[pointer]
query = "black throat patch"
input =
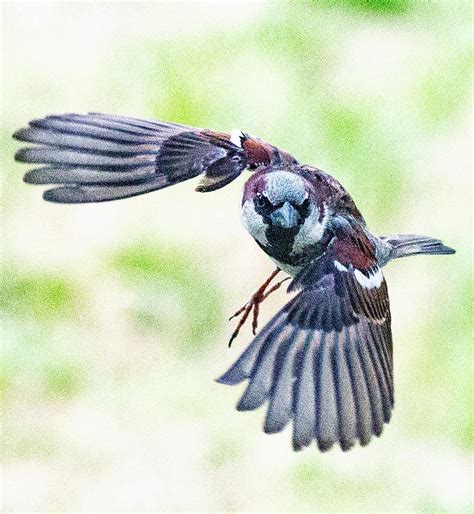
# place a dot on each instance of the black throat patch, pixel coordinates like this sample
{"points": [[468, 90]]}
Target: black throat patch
{"points": [[281, 242]]}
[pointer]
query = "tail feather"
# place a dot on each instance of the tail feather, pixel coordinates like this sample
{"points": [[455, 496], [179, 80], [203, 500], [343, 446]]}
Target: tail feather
{"points": [[403, 245]]}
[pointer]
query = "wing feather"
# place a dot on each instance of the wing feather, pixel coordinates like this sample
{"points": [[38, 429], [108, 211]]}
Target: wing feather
{"points": [[102, 193], [260, 381], [372, 382], [359, 388], [243, 366], [59, 175], [81, 151], [345, 397], [327, 416], [281, 397]]}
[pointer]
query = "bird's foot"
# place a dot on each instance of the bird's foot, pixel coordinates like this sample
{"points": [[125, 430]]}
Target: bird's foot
{"points": [[254, 305]]}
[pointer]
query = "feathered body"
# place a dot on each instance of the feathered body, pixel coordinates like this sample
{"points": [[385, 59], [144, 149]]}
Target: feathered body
{"points": [[325, 359]]}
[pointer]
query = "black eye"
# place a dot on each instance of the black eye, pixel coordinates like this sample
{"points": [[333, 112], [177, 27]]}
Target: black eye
{"points": [[262, 201], [304, 208]]}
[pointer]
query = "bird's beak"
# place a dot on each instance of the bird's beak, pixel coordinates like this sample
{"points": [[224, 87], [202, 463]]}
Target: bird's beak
{"points": [[286, 216]]}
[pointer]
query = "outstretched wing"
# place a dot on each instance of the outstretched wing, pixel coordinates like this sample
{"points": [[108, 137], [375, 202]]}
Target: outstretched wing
{"points": [[325, 360], [98, 157]]}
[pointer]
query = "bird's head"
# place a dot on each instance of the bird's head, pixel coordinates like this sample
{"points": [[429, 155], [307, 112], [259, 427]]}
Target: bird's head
{"points": [[281, 204]]}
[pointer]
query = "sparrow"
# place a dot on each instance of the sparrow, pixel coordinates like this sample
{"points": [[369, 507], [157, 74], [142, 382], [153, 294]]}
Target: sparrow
{"points": [[325, 360]]}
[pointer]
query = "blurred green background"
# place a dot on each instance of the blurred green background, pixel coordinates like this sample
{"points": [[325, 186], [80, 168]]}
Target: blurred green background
{"points": [[114, 315]]}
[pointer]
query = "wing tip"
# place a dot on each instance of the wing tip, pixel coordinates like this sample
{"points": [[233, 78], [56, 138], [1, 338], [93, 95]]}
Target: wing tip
{"points": [[64, 195], [324, 445], [21, 155], [50, 195], [297, 447], [346, 444], [19, 134], [301, 441], [447, 250], [224, 380], [33, 177], [230, 377], [245, 405], [272, 426]]}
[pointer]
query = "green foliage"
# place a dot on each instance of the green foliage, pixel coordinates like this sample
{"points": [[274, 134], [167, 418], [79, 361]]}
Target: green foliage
{"points": [[223, 451], [33, 306], [39, 296], [316, 484], [388, 7], [173, 297], [442, 367], [446, 89], [356, 145], [62, 380]]}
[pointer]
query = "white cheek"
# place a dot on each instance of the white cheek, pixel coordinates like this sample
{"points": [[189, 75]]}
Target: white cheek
{"points": [[253, 222], [311, 232]]}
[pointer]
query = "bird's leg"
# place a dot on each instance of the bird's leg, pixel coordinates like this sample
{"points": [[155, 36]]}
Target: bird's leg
{"points": [[254, 304], [256, 307]]}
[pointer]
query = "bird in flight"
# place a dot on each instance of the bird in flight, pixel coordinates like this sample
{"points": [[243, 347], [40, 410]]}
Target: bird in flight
{"points": [[325, 359]]}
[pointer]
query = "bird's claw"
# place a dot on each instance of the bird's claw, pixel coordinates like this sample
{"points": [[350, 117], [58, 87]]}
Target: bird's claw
{"points": [[254, 305]]}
